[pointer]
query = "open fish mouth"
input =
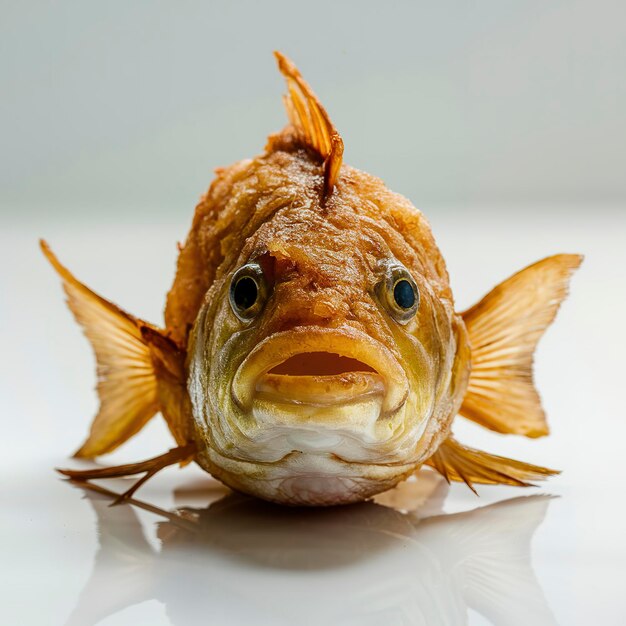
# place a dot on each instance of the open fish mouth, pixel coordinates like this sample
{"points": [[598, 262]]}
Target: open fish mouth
{"points": [[333, 379], [313, 385]]}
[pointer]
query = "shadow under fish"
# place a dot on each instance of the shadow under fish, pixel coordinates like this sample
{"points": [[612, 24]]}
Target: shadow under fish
{"points": [[242, 559]]}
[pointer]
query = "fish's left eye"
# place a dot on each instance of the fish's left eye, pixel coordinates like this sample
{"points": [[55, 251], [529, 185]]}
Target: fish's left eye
{"points": [[399, 293], [248, 291], [404, 294]]}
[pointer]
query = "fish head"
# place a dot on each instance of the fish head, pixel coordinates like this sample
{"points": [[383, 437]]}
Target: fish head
{"points": [[325, 363]]}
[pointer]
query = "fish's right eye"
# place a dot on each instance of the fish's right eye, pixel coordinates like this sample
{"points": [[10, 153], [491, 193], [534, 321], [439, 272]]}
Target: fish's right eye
{"points": [[248, 291]]}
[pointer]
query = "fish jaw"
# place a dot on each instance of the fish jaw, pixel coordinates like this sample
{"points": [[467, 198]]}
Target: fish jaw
{"points": [[306, 437], [322, 391], [373, 369]]}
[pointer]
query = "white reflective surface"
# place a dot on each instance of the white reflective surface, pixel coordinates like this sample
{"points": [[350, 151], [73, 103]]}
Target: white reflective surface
{"points": [[424, 554]]}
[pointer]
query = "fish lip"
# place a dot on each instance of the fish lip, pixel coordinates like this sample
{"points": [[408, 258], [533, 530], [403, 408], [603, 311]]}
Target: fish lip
{"points": [[319, 390], [343, 341]]}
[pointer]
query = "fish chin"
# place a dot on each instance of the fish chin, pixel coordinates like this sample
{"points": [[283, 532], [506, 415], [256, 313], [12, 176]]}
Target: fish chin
{"points": [[307, 479], [304, 479]]}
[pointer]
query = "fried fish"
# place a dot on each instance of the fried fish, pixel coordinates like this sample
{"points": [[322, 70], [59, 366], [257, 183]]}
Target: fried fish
{"points": [[311, 352]]}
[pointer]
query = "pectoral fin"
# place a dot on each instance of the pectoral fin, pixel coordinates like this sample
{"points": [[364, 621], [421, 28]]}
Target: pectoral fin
{"points": [[456, 462], [132, 357], [504, 328]]}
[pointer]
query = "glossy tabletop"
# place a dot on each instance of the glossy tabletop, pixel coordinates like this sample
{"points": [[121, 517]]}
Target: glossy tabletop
{"points": [[188, 551]]}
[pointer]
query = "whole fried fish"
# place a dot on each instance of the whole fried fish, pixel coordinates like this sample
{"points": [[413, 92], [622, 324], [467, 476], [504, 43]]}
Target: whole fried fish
{"points": [[311, 353]]}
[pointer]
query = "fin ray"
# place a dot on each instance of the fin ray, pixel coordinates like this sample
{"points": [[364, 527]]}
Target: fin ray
{"points": [[504, 329], [311, 122], [127, 384], [457, 462]]}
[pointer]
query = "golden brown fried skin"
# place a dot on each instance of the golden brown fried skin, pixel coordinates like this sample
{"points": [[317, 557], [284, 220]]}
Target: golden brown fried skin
{"points": [[249, 193], [323, 255], [326, 243]]}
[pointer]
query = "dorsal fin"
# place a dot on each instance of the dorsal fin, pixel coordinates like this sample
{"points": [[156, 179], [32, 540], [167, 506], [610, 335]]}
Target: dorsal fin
{"points": [[311, 122]]}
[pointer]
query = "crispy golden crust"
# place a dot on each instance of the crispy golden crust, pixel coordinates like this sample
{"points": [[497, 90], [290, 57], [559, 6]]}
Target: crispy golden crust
{"points": [[325, 240], [284, 191]]}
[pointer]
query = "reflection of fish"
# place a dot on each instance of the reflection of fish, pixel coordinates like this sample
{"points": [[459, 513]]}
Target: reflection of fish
{"points": [[370, 564], [312, 353]]}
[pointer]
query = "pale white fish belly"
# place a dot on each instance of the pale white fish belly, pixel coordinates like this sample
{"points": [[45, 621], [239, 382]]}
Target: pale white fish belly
{"points": [[308, 479]]}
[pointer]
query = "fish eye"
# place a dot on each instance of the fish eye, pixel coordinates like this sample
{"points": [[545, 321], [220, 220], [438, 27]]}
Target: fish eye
{"points": [[403, 294], [399, 293], [248, 291]]}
